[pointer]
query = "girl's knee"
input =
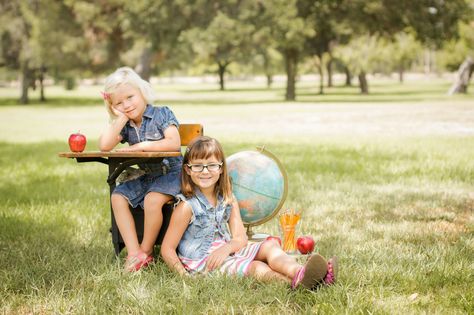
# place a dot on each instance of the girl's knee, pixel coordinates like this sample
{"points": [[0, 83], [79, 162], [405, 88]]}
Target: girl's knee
{"points": [[258, 267], [269, 246], [117, 199], [271, 243], [157, 198]]}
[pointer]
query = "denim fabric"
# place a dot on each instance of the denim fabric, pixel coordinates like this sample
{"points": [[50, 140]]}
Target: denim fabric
{"points": [[135, 190], [205, 223], [163, 177], [154, 123]]}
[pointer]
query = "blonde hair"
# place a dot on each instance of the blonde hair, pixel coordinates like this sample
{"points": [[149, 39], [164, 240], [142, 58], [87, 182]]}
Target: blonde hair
{"points": [[121, 76], [203, 148]]}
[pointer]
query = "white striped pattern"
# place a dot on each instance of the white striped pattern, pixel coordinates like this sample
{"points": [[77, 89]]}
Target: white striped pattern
{"points": [[236, 264]]}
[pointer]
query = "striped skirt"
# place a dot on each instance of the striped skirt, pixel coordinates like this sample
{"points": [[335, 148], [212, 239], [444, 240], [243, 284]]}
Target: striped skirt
{"points": [[237, 264]]}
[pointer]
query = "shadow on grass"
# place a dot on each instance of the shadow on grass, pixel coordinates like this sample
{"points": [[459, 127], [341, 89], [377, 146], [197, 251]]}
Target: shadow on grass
{"points": [[304, 95], [40, 255], [51, 238], [54, 102]]}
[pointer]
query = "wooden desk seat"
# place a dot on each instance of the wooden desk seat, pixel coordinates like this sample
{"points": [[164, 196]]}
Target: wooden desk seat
{"points": [[118, 162]]}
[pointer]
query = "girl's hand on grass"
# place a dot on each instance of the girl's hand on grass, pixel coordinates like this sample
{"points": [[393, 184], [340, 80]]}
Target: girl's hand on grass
{"points": [[216, 259]]}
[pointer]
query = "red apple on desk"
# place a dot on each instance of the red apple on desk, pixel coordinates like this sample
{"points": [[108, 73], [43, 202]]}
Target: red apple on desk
{"points": [[305, 244], [276, 238], [77, 142]]}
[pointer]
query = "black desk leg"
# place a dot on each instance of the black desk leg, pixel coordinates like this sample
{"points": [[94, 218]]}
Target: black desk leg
{"points": [[116, 239]]}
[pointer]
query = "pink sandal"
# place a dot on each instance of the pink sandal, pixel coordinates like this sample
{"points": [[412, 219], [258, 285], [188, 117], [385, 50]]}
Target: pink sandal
{"points": [[331, 276], [137, 261], [312, 273]]}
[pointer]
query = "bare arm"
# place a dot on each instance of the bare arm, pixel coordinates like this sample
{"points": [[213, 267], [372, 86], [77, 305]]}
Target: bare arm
{"points": [[171, 142], [239, 239], [180, 219], [111, 136]]}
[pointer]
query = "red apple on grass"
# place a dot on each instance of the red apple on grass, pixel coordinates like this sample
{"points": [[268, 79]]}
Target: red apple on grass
{"points": [[77, 142], [305, 244], [276, 238]]}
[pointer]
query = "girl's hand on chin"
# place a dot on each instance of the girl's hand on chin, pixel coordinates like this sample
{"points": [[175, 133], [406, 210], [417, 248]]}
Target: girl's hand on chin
{"points": [[117, 112]]}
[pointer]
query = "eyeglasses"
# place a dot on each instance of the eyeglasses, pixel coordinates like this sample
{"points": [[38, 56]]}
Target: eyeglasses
{"points": [[213, 167]]}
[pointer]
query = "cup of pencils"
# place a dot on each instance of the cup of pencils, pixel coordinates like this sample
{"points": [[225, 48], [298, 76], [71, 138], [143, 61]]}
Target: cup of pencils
{"points": [[288, 221]]}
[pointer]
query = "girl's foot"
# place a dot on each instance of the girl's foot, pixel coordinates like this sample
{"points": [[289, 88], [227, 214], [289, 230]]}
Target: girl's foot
{"points": [[137, 261], [331, 276], [312, 273]]}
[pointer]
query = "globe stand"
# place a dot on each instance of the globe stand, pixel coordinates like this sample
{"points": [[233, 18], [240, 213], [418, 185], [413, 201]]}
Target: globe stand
{"points": [[255, 236]]}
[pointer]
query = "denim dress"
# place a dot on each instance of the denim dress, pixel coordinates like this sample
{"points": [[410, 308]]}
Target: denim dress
{"points": [[207, 232], [163, 177], [206, 224]]}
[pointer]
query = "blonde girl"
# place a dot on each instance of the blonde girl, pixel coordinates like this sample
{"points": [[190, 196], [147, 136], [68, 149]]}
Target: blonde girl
{"points": [[128, 99]]}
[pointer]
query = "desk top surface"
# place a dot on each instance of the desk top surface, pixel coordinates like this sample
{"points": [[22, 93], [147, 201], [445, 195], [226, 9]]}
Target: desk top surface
{"points": [[109, 154]]}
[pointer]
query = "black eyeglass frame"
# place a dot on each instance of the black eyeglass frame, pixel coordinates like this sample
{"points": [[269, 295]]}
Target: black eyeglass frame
{"points": [[190, 166]]}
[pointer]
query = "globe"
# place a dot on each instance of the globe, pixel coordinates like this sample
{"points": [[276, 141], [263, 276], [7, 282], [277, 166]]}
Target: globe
{"points": [[259, 183]]}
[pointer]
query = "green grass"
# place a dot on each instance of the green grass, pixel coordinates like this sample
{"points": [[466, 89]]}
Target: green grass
{"points": [[397, 209]]}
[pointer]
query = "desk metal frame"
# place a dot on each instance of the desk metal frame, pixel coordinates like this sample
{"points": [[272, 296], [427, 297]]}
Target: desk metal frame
{"points": [[118, 162]]}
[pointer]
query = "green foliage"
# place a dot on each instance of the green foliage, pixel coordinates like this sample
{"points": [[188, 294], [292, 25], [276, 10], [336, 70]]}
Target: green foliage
{"points": [[224, 40], [455, 51], [360, 54]]}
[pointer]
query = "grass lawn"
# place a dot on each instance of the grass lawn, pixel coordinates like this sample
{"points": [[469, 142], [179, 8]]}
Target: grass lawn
{"points": [[385, 182]]}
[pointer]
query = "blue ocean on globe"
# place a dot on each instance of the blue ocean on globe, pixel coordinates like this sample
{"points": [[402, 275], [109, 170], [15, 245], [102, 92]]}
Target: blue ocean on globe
{"points": [[258, 184]]}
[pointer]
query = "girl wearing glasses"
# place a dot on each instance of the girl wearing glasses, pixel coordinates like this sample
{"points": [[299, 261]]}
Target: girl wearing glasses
{"points": [[146, 128], [206, 232]]}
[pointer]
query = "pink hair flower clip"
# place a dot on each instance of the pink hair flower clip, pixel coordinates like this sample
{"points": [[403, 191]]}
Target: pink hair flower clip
{"points": [[106, 96]]}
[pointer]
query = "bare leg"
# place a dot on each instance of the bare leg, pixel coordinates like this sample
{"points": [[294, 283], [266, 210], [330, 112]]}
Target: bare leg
{"points": [[271, 253], [261, 271], [153, 219], [125, 223]]}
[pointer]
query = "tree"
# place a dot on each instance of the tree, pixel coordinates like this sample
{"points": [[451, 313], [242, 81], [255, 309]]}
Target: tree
{"points": [[360, 55], [267, 57], [16, 46], [227, 37], [289, 31], [155, 28], [326, 18], [432, 22], [400, 53]]}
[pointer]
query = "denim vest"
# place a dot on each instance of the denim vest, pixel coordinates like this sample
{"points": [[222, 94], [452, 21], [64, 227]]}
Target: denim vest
{"points": [[155, 120], [206, 223]]}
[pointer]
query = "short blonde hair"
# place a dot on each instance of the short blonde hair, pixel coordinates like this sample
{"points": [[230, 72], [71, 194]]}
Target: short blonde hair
{"points": [[203, 148], [121, 76]]}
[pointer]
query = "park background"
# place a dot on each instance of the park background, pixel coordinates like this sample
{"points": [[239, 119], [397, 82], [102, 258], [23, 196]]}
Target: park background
{"points": [[368, 104]]}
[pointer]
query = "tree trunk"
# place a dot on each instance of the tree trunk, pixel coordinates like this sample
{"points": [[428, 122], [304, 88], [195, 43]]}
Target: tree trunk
{"points": [[144, 66], [25, 82], [267, 70], [321, 74], [269, 80], [463, 77], [222, 67], [291, 61], [329, 69], [348, 76], [42, 71], [401, 71], [364, 87]]}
